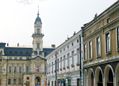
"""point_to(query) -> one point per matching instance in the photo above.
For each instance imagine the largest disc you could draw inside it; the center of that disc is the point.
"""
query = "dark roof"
(38, 19)
(47, 51)
(17, 51)
(21, 51)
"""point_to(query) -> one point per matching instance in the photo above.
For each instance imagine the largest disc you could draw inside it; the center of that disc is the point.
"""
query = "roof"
(22, 51)
(17, 51)
(38, 19)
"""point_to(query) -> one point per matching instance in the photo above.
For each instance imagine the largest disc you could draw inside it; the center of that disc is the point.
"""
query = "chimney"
(17, 44)
(53, 45)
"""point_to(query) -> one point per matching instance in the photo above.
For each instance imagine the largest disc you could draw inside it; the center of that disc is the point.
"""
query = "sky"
(60, 19)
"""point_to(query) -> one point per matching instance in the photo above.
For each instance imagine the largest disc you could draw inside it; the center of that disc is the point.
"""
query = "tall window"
(90, 49)
(57, 64)
(38, 45)
(108, 47)
(20, 81)
(15, 69)
(72, 57)
(60, 63)
(64, 62)
(68, 60)
(9, 81)
(14, 81)
(19, 69)
(10, 69)
(52, 67)
(85, 52)
(27, 69)
(98, 44)
(78, 56)
(118, 38)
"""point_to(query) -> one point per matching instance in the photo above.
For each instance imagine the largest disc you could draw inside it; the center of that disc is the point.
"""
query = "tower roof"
(38, 19)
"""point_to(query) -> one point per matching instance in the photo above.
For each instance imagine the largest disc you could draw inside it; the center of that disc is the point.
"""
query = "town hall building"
(24, 66)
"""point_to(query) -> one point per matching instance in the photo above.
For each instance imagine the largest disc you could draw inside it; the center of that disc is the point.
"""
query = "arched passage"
(117, 75)
(37, 81)
(91, 77)
(108, 73)
(99, 77)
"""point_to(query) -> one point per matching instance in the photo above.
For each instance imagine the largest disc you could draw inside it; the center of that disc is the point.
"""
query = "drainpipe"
(81, 61)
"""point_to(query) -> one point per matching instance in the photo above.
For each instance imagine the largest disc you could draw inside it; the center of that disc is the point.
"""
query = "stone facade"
(23, 66)
(101, 48)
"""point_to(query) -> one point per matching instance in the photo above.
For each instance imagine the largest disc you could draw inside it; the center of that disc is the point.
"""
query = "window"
(20, 81)
(27, 69)
(72, 58)
(108, 48)
(15, 69)
(64, 63)
(60, 63)
(108, 20)
(68, 60)
(90, 49)
(85, 52)
(38, 45)
(118, 38)
(19, 69)
(14, 81)
(78, 57)
(10, 69)
(38, 30)
(52, 67)
(98, 46)
(9, 81)
(72, 43)
(57, 64)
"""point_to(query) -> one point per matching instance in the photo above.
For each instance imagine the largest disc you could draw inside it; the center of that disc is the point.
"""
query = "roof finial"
(38, 11)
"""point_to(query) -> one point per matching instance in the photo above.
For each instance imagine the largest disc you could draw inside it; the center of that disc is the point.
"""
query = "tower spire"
(38, 11)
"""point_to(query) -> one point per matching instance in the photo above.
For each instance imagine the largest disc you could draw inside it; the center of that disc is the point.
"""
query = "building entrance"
(37, 81)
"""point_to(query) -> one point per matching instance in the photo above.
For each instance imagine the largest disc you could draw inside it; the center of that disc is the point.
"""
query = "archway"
(108, 72)
(91, 77)
(117, 75)
(37, 81)
(99, 77)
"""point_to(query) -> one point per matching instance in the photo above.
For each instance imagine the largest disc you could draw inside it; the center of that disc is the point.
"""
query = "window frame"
(108, 42)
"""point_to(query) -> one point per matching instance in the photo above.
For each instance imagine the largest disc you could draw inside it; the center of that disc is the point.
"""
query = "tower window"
(38, 45)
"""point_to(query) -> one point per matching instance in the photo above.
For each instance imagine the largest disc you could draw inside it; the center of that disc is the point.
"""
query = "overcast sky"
(60, 19)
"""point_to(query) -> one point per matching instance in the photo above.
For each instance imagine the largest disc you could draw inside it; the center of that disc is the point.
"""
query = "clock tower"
(37, 38)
